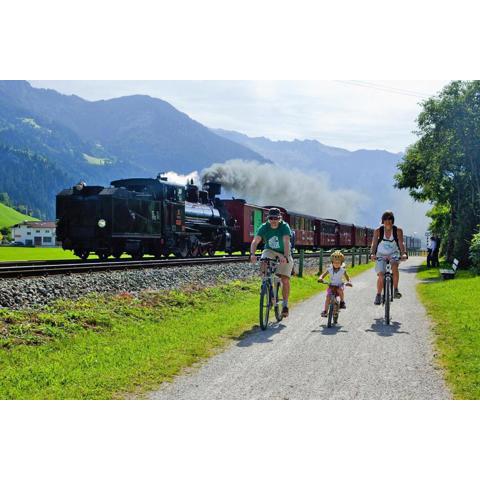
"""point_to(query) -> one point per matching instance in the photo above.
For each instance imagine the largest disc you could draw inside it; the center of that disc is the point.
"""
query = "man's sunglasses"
(274, 218)
(388, 218)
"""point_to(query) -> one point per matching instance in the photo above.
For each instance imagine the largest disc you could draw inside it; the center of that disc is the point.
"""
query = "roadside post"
(320, 262)
(300, 265)
(353, 256)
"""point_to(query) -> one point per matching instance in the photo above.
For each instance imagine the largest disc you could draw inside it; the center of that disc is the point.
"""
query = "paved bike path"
(300, 358)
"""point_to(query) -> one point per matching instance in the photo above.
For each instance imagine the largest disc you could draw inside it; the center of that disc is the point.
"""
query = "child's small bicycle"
(333, 303)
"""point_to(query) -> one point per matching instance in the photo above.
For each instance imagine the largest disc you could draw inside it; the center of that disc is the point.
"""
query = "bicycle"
(333, 303)
(269, 292)
(387, 294)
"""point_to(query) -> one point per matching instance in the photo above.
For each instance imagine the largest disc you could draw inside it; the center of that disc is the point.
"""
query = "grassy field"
(9, 216)
(112, 347)
(10, 254)
(454, 306)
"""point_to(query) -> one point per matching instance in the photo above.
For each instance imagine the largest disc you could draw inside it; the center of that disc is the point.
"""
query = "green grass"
(9, 216)
(10, 254)
(454, 306)
(116, 346)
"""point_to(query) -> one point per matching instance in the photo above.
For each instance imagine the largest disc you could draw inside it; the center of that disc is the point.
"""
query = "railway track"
(32, 269)
(35, 268)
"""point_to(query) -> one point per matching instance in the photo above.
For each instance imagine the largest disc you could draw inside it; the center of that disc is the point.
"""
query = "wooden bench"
(449, 274)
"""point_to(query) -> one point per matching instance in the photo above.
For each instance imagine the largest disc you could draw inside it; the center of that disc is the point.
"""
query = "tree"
(443, 166)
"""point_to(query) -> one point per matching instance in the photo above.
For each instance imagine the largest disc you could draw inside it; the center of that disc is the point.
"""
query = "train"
(152, 216)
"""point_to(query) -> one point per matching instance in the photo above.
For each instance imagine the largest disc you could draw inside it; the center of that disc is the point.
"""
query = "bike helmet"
(337, 255)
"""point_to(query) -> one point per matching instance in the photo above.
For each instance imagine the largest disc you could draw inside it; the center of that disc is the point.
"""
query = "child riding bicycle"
(337, 272)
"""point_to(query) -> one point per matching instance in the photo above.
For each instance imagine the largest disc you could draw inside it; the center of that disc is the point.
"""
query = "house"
(38, 234)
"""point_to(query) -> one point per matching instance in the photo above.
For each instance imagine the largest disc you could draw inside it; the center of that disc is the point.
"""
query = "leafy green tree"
(443, 166)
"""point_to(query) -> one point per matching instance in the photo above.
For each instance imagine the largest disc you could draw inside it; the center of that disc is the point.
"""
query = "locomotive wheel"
(83, 254)
(182, 251)
(138, 255)
(117, 254)
(103, 255)
(195, 251)
(211, 251)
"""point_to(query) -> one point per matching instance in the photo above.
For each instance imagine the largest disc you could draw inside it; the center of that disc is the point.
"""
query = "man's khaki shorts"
(286, 268)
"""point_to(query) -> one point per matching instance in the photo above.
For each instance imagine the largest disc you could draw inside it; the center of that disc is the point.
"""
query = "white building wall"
(44, 237)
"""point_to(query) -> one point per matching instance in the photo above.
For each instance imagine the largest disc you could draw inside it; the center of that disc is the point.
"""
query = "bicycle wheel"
(336, 311)
(264, 305)
(391, 289)
(330, 314)
(388, 282)
(278, 310)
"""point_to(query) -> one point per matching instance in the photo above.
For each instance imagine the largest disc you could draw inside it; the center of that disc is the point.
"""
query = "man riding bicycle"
(387, 243)
(275, 234)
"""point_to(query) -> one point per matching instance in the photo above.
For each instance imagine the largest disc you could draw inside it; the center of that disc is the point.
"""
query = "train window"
(252, 218)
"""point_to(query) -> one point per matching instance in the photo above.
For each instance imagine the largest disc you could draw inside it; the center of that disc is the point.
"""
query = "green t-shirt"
(273, 237)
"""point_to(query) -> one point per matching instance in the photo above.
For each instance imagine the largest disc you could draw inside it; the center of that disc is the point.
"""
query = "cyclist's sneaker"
(342, 305)
(324, 313)
(397, 294)
(285, 312)
(378, 299)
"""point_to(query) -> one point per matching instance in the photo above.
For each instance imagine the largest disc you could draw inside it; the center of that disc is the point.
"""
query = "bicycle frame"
(333, 305)
(387, 296)
(270, 288)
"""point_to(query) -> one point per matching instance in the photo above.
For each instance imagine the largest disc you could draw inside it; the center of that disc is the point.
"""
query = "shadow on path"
(333, 330)
(380, 328)
(256, 335)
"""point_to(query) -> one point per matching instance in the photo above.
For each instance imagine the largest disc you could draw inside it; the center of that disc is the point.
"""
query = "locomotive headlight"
(102, 223)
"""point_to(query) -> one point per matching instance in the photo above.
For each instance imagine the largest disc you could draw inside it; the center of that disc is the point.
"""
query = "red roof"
(37, 224)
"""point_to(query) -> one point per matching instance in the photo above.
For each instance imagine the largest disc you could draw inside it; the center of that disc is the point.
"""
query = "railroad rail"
(34, 268)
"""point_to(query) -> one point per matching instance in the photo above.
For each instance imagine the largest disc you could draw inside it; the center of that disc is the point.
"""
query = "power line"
(384, 88)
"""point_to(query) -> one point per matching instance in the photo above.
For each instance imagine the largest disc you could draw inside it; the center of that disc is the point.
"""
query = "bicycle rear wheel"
(264, 305)
(388, 282)
(278, 310)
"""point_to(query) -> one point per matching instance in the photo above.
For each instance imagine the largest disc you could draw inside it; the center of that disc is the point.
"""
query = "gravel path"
(301, 359)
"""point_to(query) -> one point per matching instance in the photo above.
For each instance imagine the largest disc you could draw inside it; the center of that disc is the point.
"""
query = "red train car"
(360, 236)
(244, 219)
(304, 228)
(325, 233)
(370, 232)
(346, 234)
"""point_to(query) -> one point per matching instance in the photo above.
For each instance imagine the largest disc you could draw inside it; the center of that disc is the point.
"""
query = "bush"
(474, 253)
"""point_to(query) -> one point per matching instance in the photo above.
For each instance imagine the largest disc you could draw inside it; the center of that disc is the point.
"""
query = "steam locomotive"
(151, 216)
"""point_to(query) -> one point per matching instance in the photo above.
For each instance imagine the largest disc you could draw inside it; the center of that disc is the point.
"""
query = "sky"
(352, 114)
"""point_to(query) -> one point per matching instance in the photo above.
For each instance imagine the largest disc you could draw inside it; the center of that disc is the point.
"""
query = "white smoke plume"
(268, 184)
(179, 179)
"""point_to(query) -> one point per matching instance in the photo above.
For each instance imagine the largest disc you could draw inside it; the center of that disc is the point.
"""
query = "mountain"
(64, 138)
(32, 180)
(360, 168)
(140, 131)
(9, 216)
(369, 172)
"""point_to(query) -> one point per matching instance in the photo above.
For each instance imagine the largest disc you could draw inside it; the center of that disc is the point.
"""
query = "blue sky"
(348, 113)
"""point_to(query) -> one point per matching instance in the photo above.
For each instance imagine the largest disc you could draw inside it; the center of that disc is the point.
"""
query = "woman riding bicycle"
(387, 243)
(336, 271)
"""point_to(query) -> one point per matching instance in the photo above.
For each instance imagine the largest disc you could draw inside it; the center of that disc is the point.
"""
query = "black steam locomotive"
(141, 216)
